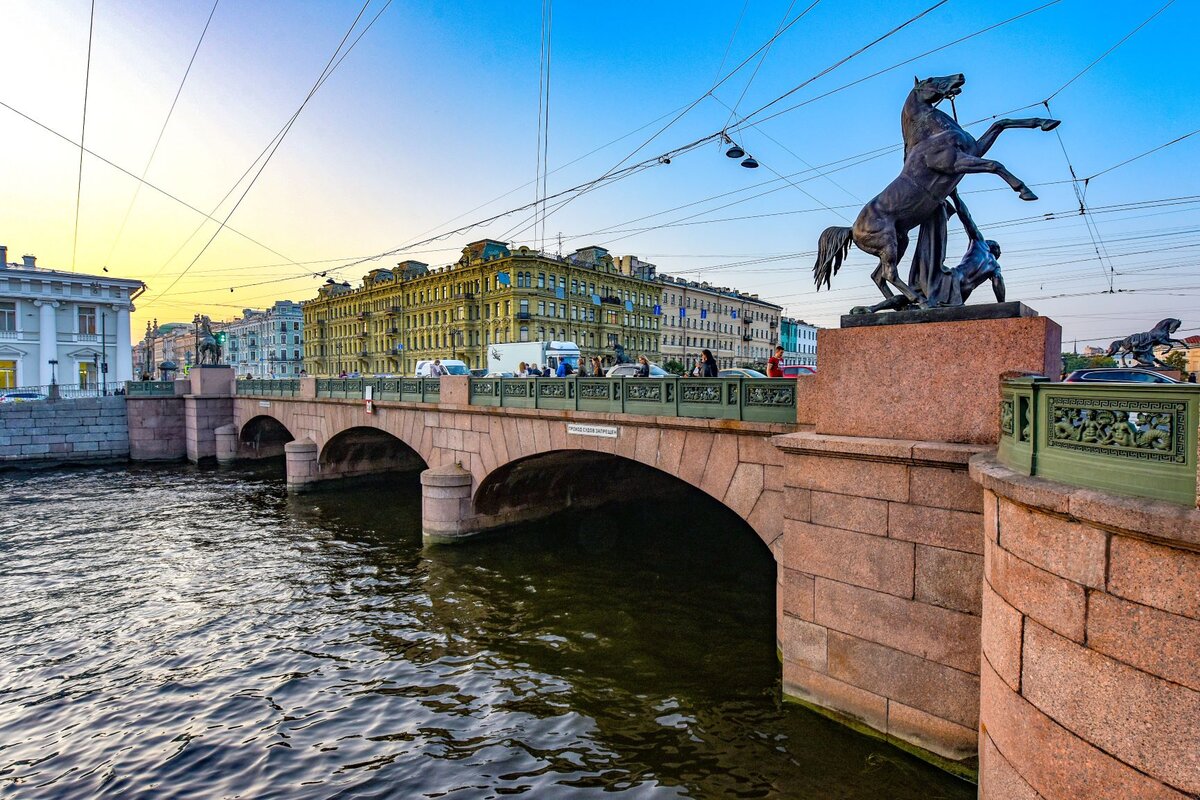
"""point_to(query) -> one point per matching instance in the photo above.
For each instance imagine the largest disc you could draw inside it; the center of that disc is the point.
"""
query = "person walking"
(775, 363)
(597, 367)
(708, 365)
(643, 370)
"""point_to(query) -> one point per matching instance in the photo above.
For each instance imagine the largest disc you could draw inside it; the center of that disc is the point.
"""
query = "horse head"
(1166, 327)
(932, 91)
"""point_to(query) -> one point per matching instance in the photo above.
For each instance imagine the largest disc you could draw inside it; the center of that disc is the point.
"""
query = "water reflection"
(173, 632)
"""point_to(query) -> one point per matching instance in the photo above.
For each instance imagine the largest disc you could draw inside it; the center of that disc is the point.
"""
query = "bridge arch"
(364, 450)
(536, 485)
(263, 436)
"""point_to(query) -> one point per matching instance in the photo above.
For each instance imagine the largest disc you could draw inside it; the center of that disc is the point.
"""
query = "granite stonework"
(936, 381)
(881, 559)
(53, 432)
(1090, 642)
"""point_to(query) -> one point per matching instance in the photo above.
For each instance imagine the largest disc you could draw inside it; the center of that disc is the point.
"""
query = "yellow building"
(492, 295)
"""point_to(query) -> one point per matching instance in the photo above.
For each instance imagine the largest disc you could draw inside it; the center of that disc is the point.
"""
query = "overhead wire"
(162, 130)
(87, 78)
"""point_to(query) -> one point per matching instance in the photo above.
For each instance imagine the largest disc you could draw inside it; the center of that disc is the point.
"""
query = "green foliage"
(674, 367)
(1176, 360)
(758, 365)
(1074, 361)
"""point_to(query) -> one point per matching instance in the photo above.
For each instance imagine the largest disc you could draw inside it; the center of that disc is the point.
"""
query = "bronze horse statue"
(937, 154)
(1140, 346)
(208, 350)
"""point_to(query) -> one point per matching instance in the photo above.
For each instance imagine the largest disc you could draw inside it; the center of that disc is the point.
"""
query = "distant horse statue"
(208, 351)
(1140, 346)
(938, 153)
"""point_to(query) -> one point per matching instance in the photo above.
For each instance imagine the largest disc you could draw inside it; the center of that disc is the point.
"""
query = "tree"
(1176, 359)
(674, 367)
(1074, 361)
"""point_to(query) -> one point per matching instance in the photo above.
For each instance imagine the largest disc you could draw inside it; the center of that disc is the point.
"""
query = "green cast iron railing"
(746, 399)
(408, 390)
(256, 387)
(150, 388)
(1128, 438)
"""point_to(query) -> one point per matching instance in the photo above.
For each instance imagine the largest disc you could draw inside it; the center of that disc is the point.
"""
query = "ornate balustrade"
(746, 399)
(150, 388)
(408, 390)
(1127, 438)
(256, 387)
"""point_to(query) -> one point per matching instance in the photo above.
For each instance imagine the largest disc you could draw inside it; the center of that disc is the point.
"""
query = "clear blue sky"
(435, 113)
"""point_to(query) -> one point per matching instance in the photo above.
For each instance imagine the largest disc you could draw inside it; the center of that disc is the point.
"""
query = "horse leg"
(990, 136)
(966, 164)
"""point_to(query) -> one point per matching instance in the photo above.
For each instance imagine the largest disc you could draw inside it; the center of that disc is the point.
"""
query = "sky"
(430, 123)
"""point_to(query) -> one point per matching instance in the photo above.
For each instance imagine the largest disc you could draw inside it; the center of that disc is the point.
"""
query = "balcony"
(393, 330)
(773, 324)
(393, 310)
(363, 334)
(747, 337)
(747, 321)
(363, 315)
(364, 354)
(524, 315)
(464, 296)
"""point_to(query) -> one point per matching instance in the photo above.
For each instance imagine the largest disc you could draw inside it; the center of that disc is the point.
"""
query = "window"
(87, 320)
(524, 334)
(8, 318)
(541, 280)
(541, 307)
(8, 372)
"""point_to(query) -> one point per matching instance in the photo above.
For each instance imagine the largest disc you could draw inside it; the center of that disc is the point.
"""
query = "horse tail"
(832, 248)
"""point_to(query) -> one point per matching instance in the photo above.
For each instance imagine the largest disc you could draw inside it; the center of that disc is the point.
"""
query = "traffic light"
(221, 338)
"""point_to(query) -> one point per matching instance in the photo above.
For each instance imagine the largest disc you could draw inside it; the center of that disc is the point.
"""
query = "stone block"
(947, 739)
(944, 488)
(1055, 602)
(881, 480)
(745, 487)
(35, 449)
(796, 589)
(1166, 578)
(935, 634)
(797, 504)
(696, 446)
(943, 691)
(941, 527)
(1001, 636)
(948, 578)
(874, 562)
(886, 370)
(1142, 720)
(998, 780)
(1158, 642)
(1061, 546)
(822, 690)
(862, 514)
(803, 643)
(1153, 518)
(720, 466)
(1058, 764)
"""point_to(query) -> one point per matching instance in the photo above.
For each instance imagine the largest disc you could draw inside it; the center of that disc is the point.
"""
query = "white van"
(452, 367)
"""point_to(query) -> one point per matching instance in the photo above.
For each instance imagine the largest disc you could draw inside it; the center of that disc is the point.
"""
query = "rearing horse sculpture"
(938, 153)
(209, 349)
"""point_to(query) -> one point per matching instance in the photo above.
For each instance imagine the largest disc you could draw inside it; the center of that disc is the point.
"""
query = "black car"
(1121, 374)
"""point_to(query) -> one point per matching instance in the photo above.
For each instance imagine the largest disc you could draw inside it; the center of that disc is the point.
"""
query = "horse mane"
(1166, 327)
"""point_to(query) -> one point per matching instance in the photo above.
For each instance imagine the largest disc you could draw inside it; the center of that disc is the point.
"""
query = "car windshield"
(456, 369)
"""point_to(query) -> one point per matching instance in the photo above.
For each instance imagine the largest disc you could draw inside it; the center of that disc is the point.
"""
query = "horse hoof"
(1050, 124)
(1025, 194)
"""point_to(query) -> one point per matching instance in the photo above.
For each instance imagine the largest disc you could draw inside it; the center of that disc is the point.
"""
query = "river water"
(174, 632)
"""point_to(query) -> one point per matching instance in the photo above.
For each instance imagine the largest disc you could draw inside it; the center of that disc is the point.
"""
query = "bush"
(674, 367)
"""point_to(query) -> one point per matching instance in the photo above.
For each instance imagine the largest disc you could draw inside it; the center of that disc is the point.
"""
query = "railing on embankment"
(745, 399)
(1127, 438)
(150, 388)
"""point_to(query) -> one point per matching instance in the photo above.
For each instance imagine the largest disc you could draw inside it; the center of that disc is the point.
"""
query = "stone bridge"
(486, 467)
(975, 611)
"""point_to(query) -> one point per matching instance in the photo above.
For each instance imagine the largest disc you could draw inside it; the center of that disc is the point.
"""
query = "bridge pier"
(300, 458)
(226, 444)
(881, 558)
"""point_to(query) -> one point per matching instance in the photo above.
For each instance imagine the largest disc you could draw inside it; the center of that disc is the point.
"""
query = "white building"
(799, 342)
(737, 328)
(63, 327)
(267, 344)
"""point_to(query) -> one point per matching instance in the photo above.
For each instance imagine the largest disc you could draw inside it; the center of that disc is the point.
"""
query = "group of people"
(564, 370)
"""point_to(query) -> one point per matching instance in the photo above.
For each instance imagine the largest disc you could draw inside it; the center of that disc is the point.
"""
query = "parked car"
(479, 373)
(630, 371)
(739, 372)
(21, 396)
(1120, 374)
(451, 365)
(797, 370)
(500, 375)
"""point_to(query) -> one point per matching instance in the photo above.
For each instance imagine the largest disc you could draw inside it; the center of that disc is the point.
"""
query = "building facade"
(737, 328)
(63, 327)
(491, 295)
(266, 344)
(799, 340)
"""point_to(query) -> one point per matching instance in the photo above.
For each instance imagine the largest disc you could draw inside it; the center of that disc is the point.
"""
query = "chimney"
(3, 256)
(29, 260)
